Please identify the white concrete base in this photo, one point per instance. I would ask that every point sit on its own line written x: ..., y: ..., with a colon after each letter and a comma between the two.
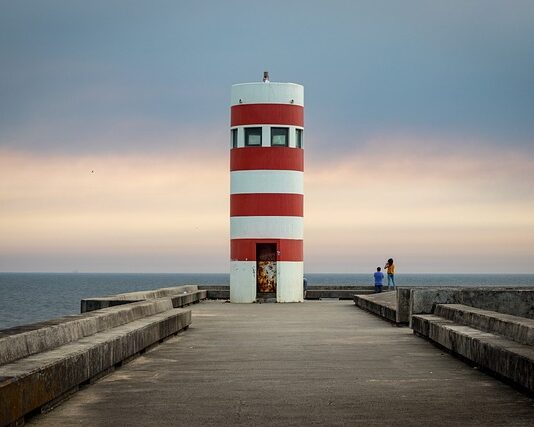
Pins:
x: 290, y: 287
x: 243, y: 281
x: 289, y: 281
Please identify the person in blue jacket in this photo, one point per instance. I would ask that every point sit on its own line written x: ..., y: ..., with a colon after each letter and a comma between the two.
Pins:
x: 379, y: 280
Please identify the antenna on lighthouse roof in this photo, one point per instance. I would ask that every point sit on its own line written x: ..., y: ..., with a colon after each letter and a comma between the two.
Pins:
x: 266, y: 77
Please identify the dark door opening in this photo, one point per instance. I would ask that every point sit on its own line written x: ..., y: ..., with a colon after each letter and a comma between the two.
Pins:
x: 266, y: 270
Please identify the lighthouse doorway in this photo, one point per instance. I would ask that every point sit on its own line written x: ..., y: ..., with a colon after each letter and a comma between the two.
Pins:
x: 266, y: 270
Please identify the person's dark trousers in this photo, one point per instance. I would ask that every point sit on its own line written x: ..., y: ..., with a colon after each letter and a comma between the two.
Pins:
x: 378, y: 289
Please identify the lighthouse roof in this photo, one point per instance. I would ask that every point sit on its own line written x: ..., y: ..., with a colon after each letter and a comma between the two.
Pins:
x: 267, y: 93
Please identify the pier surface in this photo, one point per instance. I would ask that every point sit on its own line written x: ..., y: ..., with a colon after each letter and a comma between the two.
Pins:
x: 320, y: 362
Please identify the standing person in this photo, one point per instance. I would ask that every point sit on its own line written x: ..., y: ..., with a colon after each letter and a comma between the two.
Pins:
x: 390, y: 269
x: 379, y: 278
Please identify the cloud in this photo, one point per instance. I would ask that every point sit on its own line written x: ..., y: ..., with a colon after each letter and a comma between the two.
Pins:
x: 414, y: 198
x: 431, y: 208
x: 418, y: 131
x: 77, y: 75
x: 117, y: 205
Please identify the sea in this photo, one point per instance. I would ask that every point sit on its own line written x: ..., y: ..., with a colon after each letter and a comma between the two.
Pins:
x: 32, y: 297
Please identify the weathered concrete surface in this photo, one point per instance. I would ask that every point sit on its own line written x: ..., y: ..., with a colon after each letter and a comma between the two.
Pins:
x: 313, y: 292
x: 424, y: 300
x: 506, y: 358
x: 383, y: 304
x: 294, y: 364
x: 339, y: 292
x: 27, y: 384
x: 23, y: 341
x: 403, y: 304
x: 181, y: 296
x: 317, y: 294
x: 216, y: 291
x: 518, y: 329
x: 514, y: 301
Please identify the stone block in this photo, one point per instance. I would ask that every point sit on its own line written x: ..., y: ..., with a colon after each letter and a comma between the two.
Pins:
x: 23, y: 341
x: 98, y: 303
x: 383, y: 304
x: 505, y: 358
x: 424, y: 300
x: 403, y: 305
x: 516, y: 328
x: 29, y: 383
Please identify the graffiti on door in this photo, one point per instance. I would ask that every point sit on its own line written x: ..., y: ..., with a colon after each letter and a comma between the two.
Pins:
x: 266, y: 267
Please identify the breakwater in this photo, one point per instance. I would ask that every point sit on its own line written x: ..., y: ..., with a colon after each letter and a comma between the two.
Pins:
x: 59, y: 294
x: 313, y: 363
x: 42, y: 363
x: 491, y: 328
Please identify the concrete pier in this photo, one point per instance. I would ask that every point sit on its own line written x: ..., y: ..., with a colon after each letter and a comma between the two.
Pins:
x: 326, y: 363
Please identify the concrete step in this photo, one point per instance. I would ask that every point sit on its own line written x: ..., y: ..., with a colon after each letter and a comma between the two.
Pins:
x: 181, y: 296
x: 216, y: 291
x: 342, y: 294
x: 29, y: 383
x: 383, y: 304
x: 519, y: 329
x: 504, y: 357
x: 23, y: 341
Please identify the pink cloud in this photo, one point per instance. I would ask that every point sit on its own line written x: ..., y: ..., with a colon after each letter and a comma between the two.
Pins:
x: 389, y: 198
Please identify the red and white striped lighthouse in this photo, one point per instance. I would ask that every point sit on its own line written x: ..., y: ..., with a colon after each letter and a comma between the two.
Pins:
x: 267, y: 191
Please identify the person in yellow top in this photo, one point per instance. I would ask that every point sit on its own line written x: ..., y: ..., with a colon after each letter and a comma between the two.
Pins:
x: 390, y: 269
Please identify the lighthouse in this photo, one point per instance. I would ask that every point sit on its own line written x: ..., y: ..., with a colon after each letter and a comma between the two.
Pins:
x: 266, y: 191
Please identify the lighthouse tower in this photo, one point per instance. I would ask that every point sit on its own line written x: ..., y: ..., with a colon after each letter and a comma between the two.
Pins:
x: 267, y: 191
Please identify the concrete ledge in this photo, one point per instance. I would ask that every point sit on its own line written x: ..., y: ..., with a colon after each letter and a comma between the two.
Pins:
x: 314, y: 292
x: 514, y: 301
x: 184, y: 300
x: 216, y: 292
x: 29, y: 383
x: 424, y: 300
x: 98, y: 303
x: 516, y: 328
x: 505, y: 358
x: 342, y: 294
x: 354, y: 288
x: 383, y: 304
x: 23, y: 341
x: 403, y: 305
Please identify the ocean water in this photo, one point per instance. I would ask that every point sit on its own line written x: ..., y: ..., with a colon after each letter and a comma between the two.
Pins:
x: 32, y: 297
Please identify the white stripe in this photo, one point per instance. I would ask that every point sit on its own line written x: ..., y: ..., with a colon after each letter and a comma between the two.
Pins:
x: 267, y: 93
x: 266, y: 227
x: 266, y: 181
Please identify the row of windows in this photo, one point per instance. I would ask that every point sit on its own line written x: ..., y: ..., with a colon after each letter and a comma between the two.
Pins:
x: 279, y: 137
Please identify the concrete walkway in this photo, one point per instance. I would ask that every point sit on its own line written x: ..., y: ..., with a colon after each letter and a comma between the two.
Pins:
x: 324, y: 362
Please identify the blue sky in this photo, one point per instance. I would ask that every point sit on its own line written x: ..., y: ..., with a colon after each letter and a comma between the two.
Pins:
x: 439, y: 91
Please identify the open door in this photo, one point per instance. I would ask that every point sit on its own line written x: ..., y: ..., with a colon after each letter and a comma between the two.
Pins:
x: 266, y: 270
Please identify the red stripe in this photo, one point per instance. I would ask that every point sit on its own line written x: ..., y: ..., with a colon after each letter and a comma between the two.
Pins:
x: 245, y: 249
x: 266, y: 204
x: 267, y: 114
x: 267, y: 158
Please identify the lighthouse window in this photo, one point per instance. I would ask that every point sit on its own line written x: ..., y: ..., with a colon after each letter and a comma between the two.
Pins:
x: 234, y: 138
x: 299, y: 138
x: 253, y: 136
x: 279, y: 137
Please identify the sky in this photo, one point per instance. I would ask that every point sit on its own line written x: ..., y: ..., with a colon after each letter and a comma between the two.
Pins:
x: 419, y: 131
